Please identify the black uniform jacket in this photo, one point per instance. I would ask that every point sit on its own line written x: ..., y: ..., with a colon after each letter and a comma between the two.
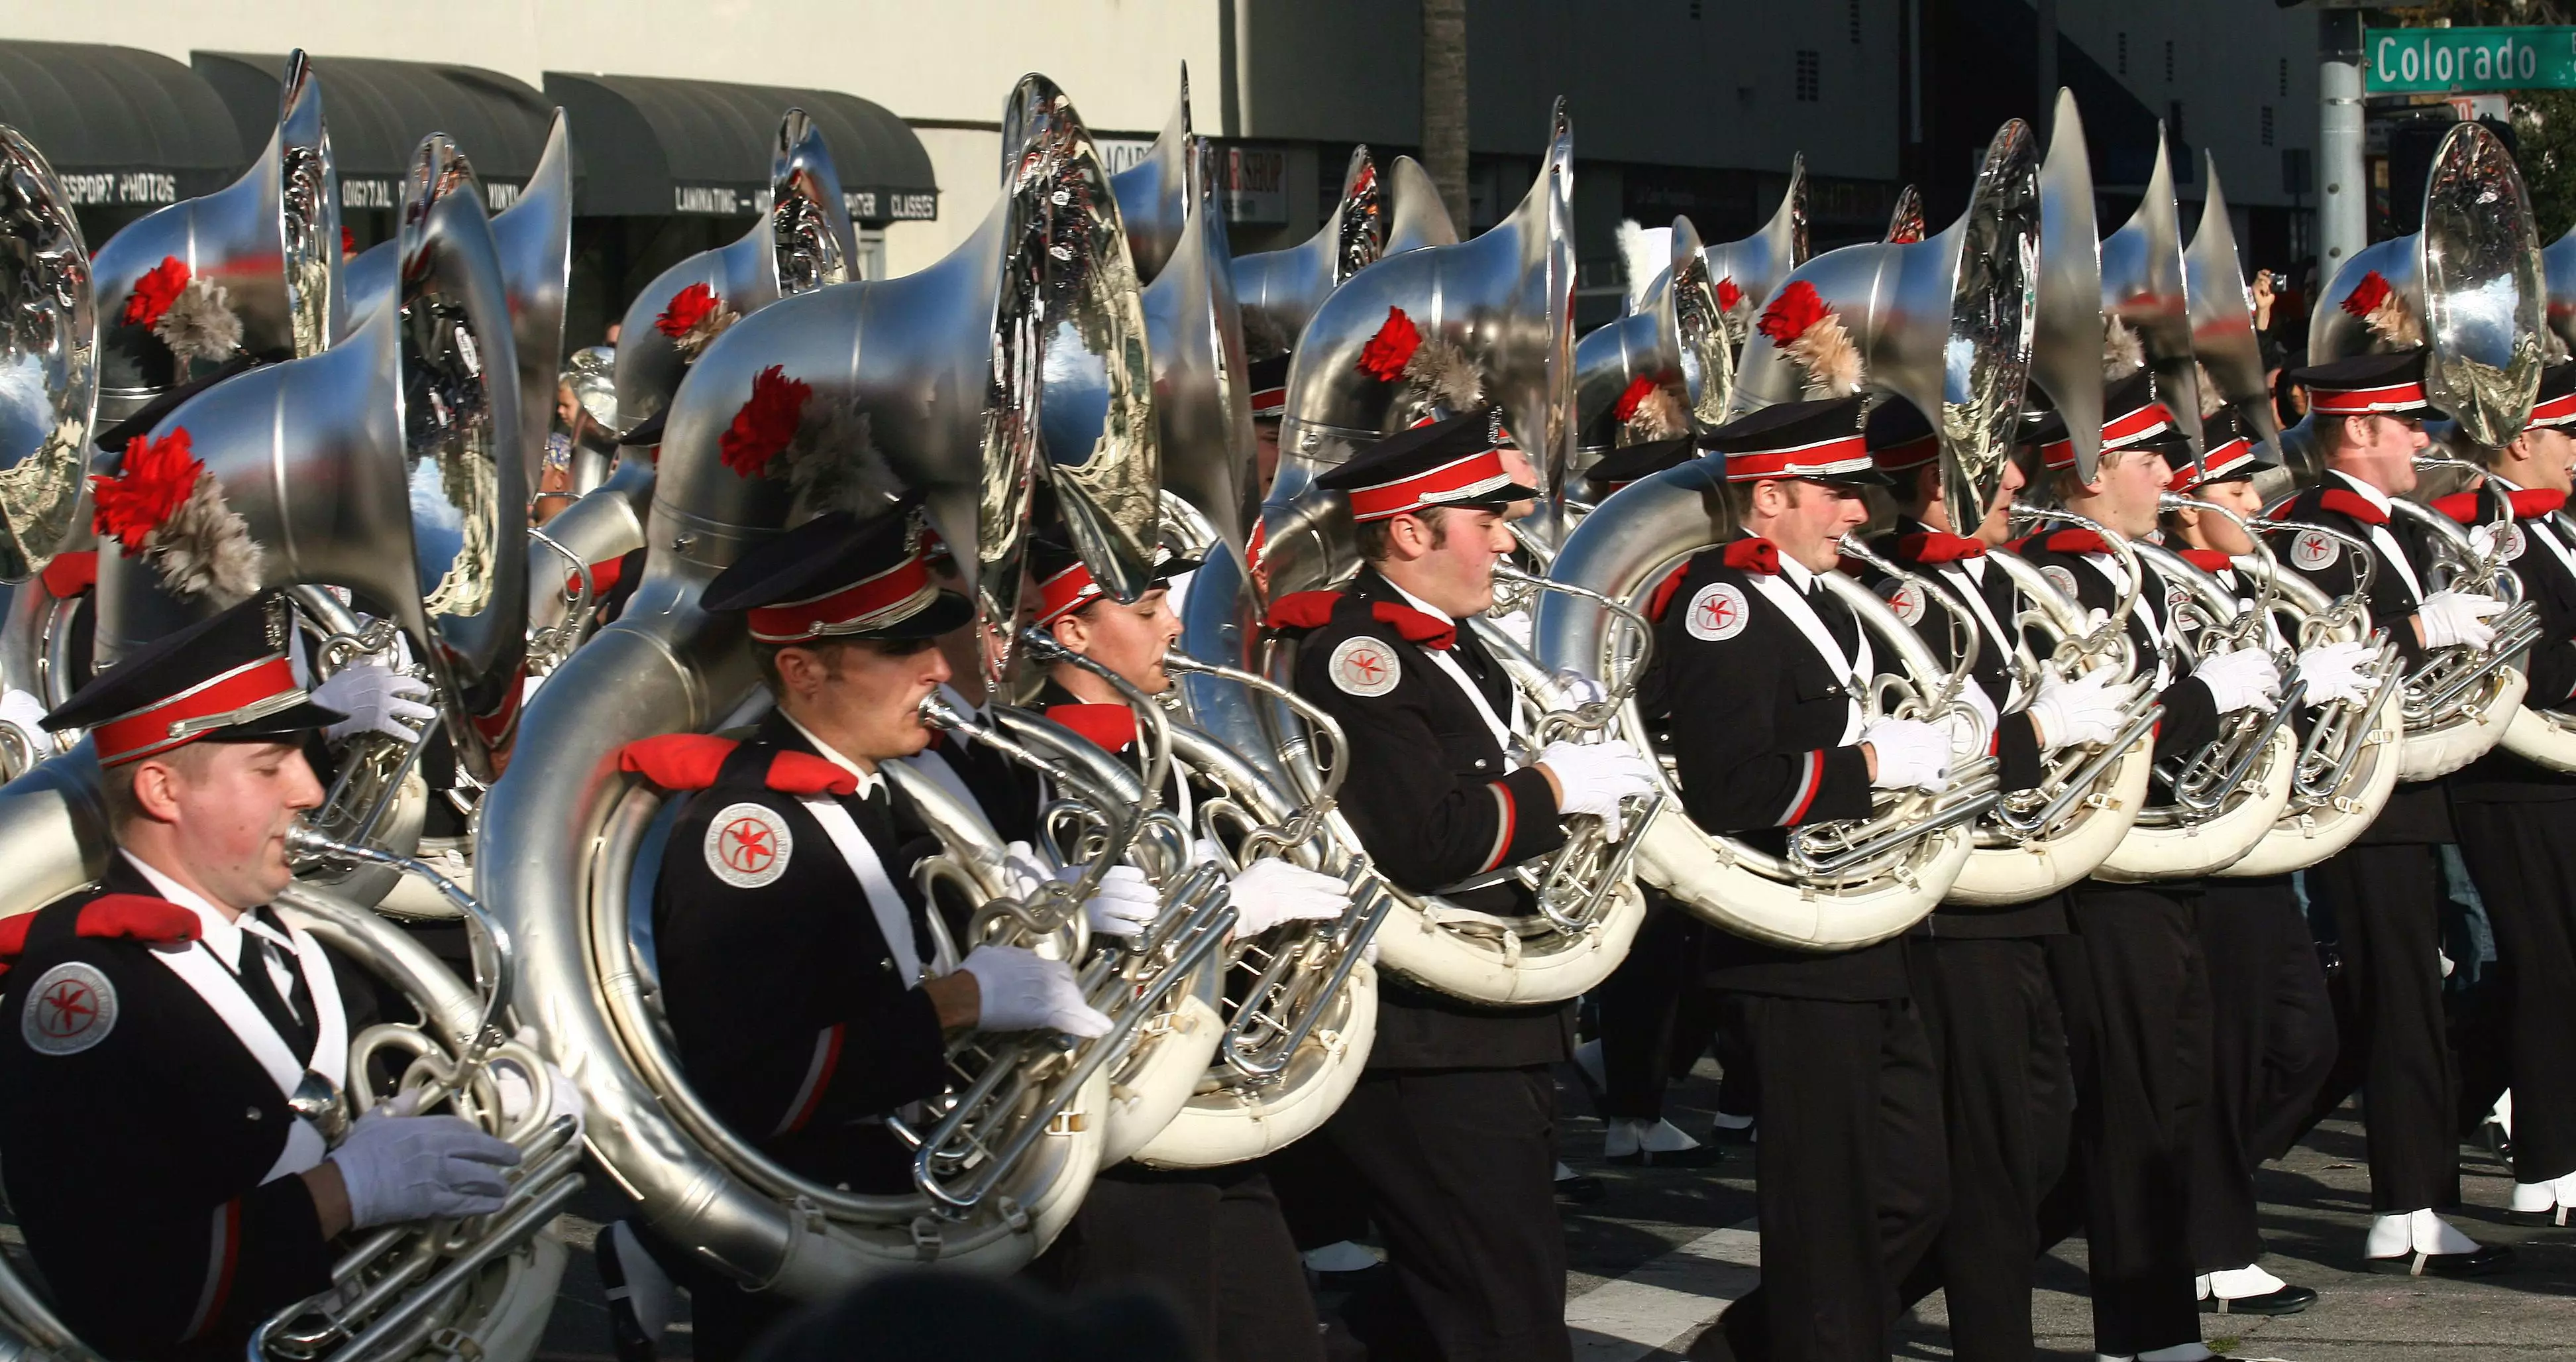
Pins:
x: 1753, y: 715
x: 1006, y: 792
x: 1433, y: 799
x: 2016, y: 748
x: 138, y: 1132
x: 2541, y: 552
x: 793, y: 1018
x: 2419, y: 811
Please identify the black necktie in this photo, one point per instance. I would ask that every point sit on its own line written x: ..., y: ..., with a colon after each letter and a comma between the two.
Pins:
x: 292, y: 1012
x: 1839, y: 621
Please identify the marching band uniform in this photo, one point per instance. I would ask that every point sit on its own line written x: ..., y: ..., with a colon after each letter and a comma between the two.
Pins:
x: 791, y: 865
x: 1211, y: 1240
x: 2272, y: 1031
x: 1453, y: 1125
x: 2129, y: 976
x: 150, y: 1151
x: 1629, y: 1064
x: 2518, y: 836
x: 1755, y: 684
x: 2385, y: 891
x: 1980, y: 974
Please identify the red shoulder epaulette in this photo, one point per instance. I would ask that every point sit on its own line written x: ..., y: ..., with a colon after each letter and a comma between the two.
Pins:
x: 129, y: 917
x: 1303, y: 610
x: 71, y: 573
x: 2210, y: 560
x: 2354, y: 504
x: 2077, y: 541
x: 1111, y: 727
x: 691, y: 761
x: 1662, y: 599
x: 1314, y: 609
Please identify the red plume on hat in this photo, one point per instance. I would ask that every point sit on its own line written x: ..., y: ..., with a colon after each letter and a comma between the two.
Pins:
x: 162, y: 502
x: 1649, y: 411
x: 191, y: 315
x: 1392, y: 348
x: 765, y: 423
x: 1808, y: 331
x: 2384, y: 310
x: 693, y: 318
x: 1437, y: 373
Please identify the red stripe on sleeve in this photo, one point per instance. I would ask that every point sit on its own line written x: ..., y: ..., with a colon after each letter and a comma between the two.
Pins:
x: 1509, y: 819
x: 1808, y: 783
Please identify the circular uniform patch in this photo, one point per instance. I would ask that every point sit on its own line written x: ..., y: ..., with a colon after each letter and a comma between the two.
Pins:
x: 1366, y: 666
x: 748, y: 845
x: 2060, y: 578
x: 1717, y: 613
x: 2314, y: 549
x: 1907, y: 602
x: 2510, y: 542
x: 71, y: 1008
x: 2174, y: 598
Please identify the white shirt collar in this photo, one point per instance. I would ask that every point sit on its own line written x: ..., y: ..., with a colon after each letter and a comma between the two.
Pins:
x: 1420, y: 604
x: 868, y: 780
x: 1798, y: 574
x: 221, y: 932
x: 2368, y: 493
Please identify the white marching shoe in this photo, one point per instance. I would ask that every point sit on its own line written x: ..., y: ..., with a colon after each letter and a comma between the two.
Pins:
x: 2420, y: 1242
x: 1655, y: 1144
x: 2545, y: 1203
x: 2249, y: 1290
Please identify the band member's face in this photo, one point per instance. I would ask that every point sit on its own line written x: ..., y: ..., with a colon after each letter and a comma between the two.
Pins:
x: 2380, y: 450
x: 1457, y: 572
x: 2551, y: 464
x: 568, y: 408
x: 1807, y: 519
x: 1996, y: 528
x: 227, y: 807
x: 1265, y: 444
x: 2217, y: 531
x: 1127, y: 639
x: 2124, y: 491
x: 864, y: 698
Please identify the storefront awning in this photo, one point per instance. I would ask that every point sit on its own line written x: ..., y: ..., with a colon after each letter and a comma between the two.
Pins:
x: 653, y: 147
x: 121, y: 126
x: 378, y: 111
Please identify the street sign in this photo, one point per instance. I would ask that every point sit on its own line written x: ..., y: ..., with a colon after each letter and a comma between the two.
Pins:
x: 2403, y: 61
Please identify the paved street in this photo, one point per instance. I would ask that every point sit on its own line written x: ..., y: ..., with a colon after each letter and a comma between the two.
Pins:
x: 1657, y: 1260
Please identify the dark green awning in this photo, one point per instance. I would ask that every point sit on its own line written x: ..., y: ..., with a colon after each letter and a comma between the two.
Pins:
x: 656, y: 146
x: 122, y: 126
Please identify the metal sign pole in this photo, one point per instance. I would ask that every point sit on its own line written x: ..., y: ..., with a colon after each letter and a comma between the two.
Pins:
x: 2343, y: 224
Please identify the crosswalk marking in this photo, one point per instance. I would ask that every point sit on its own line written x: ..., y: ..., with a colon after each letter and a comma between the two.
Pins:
x: 1665, y: 1298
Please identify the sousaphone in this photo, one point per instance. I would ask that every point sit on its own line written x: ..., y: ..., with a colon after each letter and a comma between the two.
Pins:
x: 1750, y: 269
x: 1662, y: 369
x: 1280, y: 290
x: 2145, y: 298
x: 1157, y: 194
x: 1202, y: 399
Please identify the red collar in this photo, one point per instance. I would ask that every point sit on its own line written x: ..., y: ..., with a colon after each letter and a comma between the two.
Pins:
x: 1935, y: 547
x: 2076, y: 541
x: 2344, y: 501
x: 1754, y: 555
x: 2207, y: 559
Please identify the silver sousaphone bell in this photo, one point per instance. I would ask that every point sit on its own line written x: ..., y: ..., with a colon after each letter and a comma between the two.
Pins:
x: 1202, y: 400
x: 265, y: 249
x: 2144, y: 291
x: 802, y: 241
x: 1676, y: 337
x: 48, y: 362
x: 1156, y: 194
x: 1280, y: 290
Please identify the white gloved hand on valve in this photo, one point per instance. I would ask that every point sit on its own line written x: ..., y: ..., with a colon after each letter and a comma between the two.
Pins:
x: 1912, y: 755
x: 1272, y: 891
x: 1594, y: 777
x: 1974, y: 736
x: 1124, y: 904
x: 2451, y: 618
x: 377, y: 699
x: 2244, y: 679
x: 399, y: 1168
x: 1019, y: 990
x: 1576, y: 689
x: 2087, y: 709
x: 2333, y: 671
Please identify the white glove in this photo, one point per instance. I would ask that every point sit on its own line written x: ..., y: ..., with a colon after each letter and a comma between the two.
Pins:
x: 1971, y: 735
x: 1912, y: 755
x: 2244, y: 679
x: 1596, y: 776
x: 1575, y: 690
x: 2455, y: 617
x: 26, y: 713
x: 519, y: 1091
x: 2085, y: 710
x: 401, y: 1168
x: 1272, y: 891
x: 2333, y: 672
x: 377, y: 699
x: 1021, y: 990
x: 1124, y: 905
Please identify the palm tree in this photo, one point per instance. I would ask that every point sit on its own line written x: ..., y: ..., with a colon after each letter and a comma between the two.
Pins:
x: 1444, y: 102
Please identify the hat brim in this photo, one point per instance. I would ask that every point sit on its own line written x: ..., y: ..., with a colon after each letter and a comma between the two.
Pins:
x: 1175, y: 566
x: 302, y: 718
x: 1872, y: 476
x: 647, y: 431
x: 1494, y: 500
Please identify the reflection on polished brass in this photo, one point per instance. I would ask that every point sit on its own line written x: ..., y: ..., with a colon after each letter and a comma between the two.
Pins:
x: 1155, y: 194
x: 1755, y: 266
x: 2222, y: 318
x: 1280, y: 290
x: 1202, y: 399
x: 2471, y: 277
x: 2143, y: 289
x: 1676, y: 336
x: 2066, y: 341
x: 48, y: 360
x: 1946, y: 324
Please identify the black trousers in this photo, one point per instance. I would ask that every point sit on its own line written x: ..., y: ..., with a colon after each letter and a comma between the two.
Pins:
x: 2007, y: 1102
x: 1319, y: 1193
x: 2523, y: 856
x: 2137, y: 1018
x: 1210, y: 1243
x: 1640, y: 1006
x: 1459, y: 1170
x: 1852, y: 1177
x: 2272, y: 1045
x: 2386, y: 902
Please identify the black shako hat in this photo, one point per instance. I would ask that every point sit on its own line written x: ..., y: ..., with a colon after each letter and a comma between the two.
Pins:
x: 1065, y: 583
x: 1628, y: 463
x: 2229, y: 453
x: 1817, y: 440
x: 1450, y: 462
x: 225, y: 679
x: 1268, y: 379
x: 840, y: 577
